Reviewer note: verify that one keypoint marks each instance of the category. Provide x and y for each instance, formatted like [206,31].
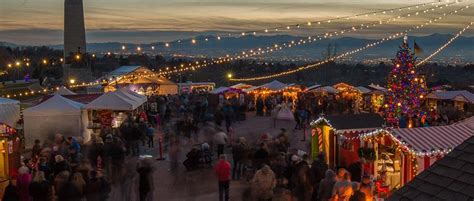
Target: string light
[329,20]
[260,51]
[270,49]
[445,45]
[381,133]
[391,37]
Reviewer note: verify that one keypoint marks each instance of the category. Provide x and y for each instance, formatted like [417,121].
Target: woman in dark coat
[39,187]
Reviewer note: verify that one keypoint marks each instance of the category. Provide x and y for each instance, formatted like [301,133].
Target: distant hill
[462,48]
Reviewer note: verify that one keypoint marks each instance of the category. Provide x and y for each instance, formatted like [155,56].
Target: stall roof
[274,85]
[7,101]
[347,122]
[127,90]
[138,100]
[433,138]
[363,89]
[461,95]
[81,98]
[313,87]
[377,87]
[219,90]
[326,89]
[113,101]
[64,91]
[450,178]
[469,122]
[241,86]
[56,105]
[10,111]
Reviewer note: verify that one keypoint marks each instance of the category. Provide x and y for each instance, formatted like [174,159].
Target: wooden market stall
[111,109]
[349,97]
[140,80]
[461,100]
[329,131]
[219,95]
[393,156]
[11,139]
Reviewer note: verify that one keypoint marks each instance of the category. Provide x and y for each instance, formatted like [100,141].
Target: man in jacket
[222,169]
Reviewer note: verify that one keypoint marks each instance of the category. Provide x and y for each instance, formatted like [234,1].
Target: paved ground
[171,184]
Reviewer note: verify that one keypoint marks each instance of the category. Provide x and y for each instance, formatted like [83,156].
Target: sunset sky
[35,22]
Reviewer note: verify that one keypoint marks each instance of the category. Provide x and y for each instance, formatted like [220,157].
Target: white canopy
[313,87]
[363,89]
[9,111]
[55,115]
[64,91]
[219,90]
[326,89]
[127,90]
[113,101]
[56,105]
[138,100]
[275,85]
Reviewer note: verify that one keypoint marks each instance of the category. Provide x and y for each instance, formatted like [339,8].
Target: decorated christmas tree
[406,90]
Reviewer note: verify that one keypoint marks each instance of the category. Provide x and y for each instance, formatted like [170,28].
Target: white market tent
[9,111]
[113,101]
[55,115]
[312,87]
[127,90]
[363,90]
[274,85]
[138,100]
[325,89]
[64,91]
[219,90]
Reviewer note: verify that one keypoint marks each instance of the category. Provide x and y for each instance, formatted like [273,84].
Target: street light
[229,75]
[72,81]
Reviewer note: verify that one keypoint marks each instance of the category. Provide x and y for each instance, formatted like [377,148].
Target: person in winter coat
[98,188]
[222,170]
[357,195]
[60,181]
[318,169]
[343,189]
[79,183]
[145,183]
[11,193]
[326,186]
[220,139]
[70,192]
[263,184]
[39,187]
[23,183]
[238,154]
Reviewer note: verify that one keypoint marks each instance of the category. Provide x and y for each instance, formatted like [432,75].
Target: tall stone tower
[74,30]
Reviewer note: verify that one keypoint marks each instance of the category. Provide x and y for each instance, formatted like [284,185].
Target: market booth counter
[109,110]
[393,156]
[55,115]
[219,95]
[329,134]
[11,139]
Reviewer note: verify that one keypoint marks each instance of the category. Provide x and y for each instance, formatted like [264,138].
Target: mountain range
[461,49]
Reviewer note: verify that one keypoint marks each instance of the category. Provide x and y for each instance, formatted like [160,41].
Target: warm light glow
[153,47]
[61,59]
[9,65]
[17,63]
[399,104]
[229,75]
[193,41]
[398,65]
[78,56]
[45,61]
[139,49]
[123,47]
[72,81]
[167,44]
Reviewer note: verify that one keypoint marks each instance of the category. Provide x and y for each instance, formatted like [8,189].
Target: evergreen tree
[406,89]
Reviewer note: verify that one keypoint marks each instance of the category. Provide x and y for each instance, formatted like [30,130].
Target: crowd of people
[68,169]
